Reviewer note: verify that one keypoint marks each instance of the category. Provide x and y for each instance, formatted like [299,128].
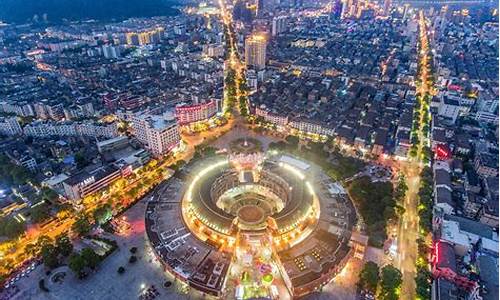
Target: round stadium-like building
[247,226]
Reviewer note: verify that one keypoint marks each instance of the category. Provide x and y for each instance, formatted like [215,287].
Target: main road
[233,60]
[408,231]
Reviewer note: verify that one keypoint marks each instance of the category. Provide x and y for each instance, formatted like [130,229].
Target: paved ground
[377,256]
[240,131]
[343,287]
[106,283]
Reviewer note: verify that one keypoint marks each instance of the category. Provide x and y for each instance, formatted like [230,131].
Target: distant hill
[21,11]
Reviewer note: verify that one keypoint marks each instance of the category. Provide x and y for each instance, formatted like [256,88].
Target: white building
[10,126]
[463,233]
[449,108]
[85,183]
[279,25]
[213,50]
[46,129]
[252,81]
[20,109]
[311,127]
[110,51]
[485,116]
[187,114]
[28,162]
[159,134]
[270,117]
[47,111]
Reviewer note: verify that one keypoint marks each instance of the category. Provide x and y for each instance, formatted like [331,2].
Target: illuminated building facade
[387,7]
[255,50]
[247,220]
[144,37]
[159,133]
[84,183]
[187,114]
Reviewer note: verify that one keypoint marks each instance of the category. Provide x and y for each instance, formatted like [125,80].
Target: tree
[413,151]
[19,174]
[31,249]
[423,283]
[91,258]
[49,194]
[390,285]
[178,165]
[376,206]
[80,160]
[401,188]
[82,225]
[11,227]
[121,270]
[49,256]
[292,140]
[64,245]
[369,277]
[44,240]
[76,263]
[40,213]
[132,259]
[102,214]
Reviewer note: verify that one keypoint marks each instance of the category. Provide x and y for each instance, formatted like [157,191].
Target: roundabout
[251,225]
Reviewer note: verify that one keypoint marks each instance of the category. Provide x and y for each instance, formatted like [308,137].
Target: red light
[437,253]
[443,152]
[454,87]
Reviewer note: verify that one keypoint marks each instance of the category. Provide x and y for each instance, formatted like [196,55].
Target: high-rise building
[255,50]
[213,50]
[56,111]
[10,126]
[345,9]
[158,133]
[278,25]
[265,6]
[337,9]
[350,8]
[110,51]
[405,11]
[442,18]
[387,7]
[144,37]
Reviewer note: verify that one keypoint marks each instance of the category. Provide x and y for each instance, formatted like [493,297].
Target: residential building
[158,133]
[187,114]
[86,183]
[10,126]
[279,24]
[255,50]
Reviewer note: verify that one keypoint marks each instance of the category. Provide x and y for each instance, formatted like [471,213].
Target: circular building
[260,225]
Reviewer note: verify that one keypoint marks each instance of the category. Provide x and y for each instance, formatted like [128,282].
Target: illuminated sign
[443,152]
